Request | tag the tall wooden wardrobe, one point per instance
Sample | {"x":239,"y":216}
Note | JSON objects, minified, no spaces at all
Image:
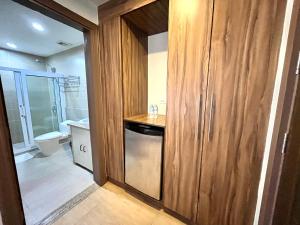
{"x":222,"y":61}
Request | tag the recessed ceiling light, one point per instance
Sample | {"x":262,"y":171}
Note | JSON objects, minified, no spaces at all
{"x":11,"y":45}
{"x":38,"y":26}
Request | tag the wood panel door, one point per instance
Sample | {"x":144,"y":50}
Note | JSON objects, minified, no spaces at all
{"x":245,"y":43}
{"x":287,"y":206}
{"x":188,"y":56}
{"x":11,"y":209}
{"x":97,"y":98}
{"x":111,"y":40}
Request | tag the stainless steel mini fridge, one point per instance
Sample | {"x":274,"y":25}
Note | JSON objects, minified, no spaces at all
{"x":143,"y":158}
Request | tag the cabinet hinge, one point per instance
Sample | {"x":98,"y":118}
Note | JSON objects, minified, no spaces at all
{"x":298,"y":65}
{"x":285,"y":143}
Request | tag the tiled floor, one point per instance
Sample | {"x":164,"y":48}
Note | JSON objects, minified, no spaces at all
{"x":48,"y":182}
{"x":111,"y":205}
{"x":19,"y":148}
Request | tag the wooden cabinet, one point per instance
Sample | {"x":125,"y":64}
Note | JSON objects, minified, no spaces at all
{"x":112,"y":67}
{"x":124,"y":44}
{"x":243,"y":58}
{"x":219,"y":98}
{"x":187,"y":77}
{"x":222,"y":61}
{"x":81,"y":146}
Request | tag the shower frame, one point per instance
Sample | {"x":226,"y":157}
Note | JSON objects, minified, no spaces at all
{"x":24,"y":104}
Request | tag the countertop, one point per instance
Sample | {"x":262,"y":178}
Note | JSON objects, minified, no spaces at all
{"x":80,"y":125}
{"x":159,"y":120}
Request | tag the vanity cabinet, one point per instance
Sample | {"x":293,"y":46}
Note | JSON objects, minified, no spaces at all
{"x":81,"y":146}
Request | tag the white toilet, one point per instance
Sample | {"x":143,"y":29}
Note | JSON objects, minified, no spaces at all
{"x":49,"y":143}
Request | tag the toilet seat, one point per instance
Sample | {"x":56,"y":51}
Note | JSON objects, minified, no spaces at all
{"x":52,"y":142}
{"x":48,"y":136}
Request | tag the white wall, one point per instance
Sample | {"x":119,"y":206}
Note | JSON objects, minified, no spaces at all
{"x":20,"y":60}
{"x":85,"y":8}
{"x":274,"y":105}
{"x":157,"y":71}
{"x":72,"y":62}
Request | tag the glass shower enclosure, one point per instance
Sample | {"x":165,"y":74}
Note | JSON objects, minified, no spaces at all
{"x":34,"y":105}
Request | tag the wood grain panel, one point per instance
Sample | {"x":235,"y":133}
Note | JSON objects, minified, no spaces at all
{"x":111,"y":36}
{"x":243,"y":63}
{"x":283,"y":115}
{"x":287,"y":206}
{"x":135,"y":70}
{"x":152,"y":18}
{"x":114,"y":8}
{"x":159,"y":121}
{"x":187,"y":77}
{"x":10,"y":197}
{"x":97,"y":103}
{"x":284,"y":199}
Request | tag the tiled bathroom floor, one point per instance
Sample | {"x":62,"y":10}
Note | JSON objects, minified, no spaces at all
{"x":48,"y":182}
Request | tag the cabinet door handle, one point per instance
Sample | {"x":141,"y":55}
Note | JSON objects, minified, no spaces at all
{"x":212,"y":117}
{"x":80,"y":148}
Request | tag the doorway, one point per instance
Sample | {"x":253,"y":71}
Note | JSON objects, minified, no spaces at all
{"x":43,"y":78}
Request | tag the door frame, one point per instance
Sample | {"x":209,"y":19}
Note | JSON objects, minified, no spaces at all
{"x":281,"y":125}
{"x":11,"y":208}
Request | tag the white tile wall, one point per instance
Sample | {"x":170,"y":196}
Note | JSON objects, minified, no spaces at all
{"x":72,"y":62}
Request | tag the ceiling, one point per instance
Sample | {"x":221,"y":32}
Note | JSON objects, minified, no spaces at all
{"x":99,"y":2}
{"x":16,"y":27}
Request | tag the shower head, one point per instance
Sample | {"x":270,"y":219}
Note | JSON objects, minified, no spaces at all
{"x":52,"y":68}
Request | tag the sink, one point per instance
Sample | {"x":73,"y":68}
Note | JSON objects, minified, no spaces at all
{"x":84,"y":121}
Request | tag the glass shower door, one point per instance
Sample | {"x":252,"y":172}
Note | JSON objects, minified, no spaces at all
{"x":16,"y":112}
{"x":43,"y":104}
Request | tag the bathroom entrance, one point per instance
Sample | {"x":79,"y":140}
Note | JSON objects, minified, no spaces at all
{"x":34,"y":105}
{"x":43,"y":78}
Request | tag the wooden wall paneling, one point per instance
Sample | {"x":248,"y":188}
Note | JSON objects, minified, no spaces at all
{"x":282,"y":200}
{"x":135,"y":70}
{"x":97,"y":102}
{"x":10,"y":198}
{"x":112,"y":64}
{"x":115,"y":8}
{"x":187,"y":78}
{"x":283,"y":115}
{"x":287,"y":204}
{"x":152,"y":18}
{"x":245,"y":44}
